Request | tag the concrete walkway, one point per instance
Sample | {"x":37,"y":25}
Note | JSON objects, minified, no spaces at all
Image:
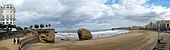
{"x":167,"y":41}
{"x":7,"y":44}
{"x":164,"y":43}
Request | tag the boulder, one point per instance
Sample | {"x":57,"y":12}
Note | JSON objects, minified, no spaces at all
{"x":84,"y":34}
{"x":47,"y":37}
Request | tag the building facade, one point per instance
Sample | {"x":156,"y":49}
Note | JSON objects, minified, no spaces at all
{"x":151,"y":26}
{"x":7,"y":14}
{"x":163,"y":25}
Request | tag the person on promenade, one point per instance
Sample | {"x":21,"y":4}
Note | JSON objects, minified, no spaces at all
{"x":18,"y":40}
{"x":14,"y":40}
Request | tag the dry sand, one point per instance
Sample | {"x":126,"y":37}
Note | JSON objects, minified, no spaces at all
{"x":133,"y":40}
{"x":8,"y":45}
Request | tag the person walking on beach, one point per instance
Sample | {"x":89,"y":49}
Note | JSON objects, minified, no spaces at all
{"x":14,"y":40}
{"x":18,"y":40}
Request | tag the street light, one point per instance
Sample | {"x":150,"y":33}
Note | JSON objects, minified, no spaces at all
{"x":158,"y":40}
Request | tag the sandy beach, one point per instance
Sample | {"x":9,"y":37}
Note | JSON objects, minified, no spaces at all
{"x":8,"y":45}
{"x":133,"y":40}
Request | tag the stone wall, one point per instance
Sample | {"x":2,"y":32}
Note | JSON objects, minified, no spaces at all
{"x":25,"y":43}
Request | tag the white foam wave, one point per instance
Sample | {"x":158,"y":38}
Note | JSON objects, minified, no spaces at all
{"x":99,"y":34}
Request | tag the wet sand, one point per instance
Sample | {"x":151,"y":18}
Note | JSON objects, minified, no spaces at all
{"x":133,"y":40}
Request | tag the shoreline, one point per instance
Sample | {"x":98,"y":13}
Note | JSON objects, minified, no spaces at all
{"x":133,"y":40}
{"x":96,"y":35}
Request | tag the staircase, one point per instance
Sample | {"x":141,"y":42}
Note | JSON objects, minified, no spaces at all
{"x":159,"y":46}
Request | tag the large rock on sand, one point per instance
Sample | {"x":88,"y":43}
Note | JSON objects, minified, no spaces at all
{"x":84,"y":34}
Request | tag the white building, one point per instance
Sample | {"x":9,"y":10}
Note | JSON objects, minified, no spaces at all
{"x":151,"y":26}
{"x":163,"y":25}
{"x":7,"y":14}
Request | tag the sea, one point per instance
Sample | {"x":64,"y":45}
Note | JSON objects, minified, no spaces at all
{"x":72,"y":35}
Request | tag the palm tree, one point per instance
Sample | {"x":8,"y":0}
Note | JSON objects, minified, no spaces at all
{"x":31,"y":26}
{"x":4,"y":26}
{"x":36,"y":26}
{"x":13,"y":26}
{"x":46,"y":26}
{"x":19,"y":28}
{"x":49,"y":25}
{"x":41,"y":25}
{"x":25,"y":28}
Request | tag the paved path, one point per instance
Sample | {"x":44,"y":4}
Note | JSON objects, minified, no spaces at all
{"x":165,"y":42}
{"x":8,"y":45}
{"x":168,"y":42}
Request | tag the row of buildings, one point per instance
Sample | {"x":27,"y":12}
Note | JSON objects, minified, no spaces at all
{"x":7,"y":14}
{"x":163,"y":25}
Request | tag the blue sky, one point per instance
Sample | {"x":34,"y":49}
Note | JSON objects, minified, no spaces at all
{"x":109,"y":2}
{"x":90,"y":14}
{"x":164,"y":3}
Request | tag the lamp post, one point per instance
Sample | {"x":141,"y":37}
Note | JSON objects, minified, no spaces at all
{"x":158,"y":40}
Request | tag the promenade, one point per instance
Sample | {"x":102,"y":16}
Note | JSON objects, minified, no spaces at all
{"x":7,"y":44}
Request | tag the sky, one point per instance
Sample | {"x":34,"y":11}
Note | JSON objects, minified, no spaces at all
{"x":90,"y":14}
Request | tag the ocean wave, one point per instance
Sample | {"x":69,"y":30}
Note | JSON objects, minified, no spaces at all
{"x":97,"y":34}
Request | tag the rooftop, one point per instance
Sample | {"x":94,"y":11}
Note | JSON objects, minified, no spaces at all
{"x":7,"y":6}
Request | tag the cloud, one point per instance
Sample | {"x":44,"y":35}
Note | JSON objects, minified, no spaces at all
{"x":91,"y":14}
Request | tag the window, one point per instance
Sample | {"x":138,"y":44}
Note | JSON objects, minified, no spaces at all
{"x":10,"y":16}
{"x":10,"y":22}
{"x":7,"y":16}
{"x":167,"y":25}
{"x":3,"y":16}
{"x":7,"y":11}
{"x":7,"y":19}
{"x":10,"y":19}
{"x":3,"y":23}
{"x":11,"y":7}
{"x":11,"y":11}
{"x":2,"y":19}
{"x":7,"y":7}
{"x":6,"y":22}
